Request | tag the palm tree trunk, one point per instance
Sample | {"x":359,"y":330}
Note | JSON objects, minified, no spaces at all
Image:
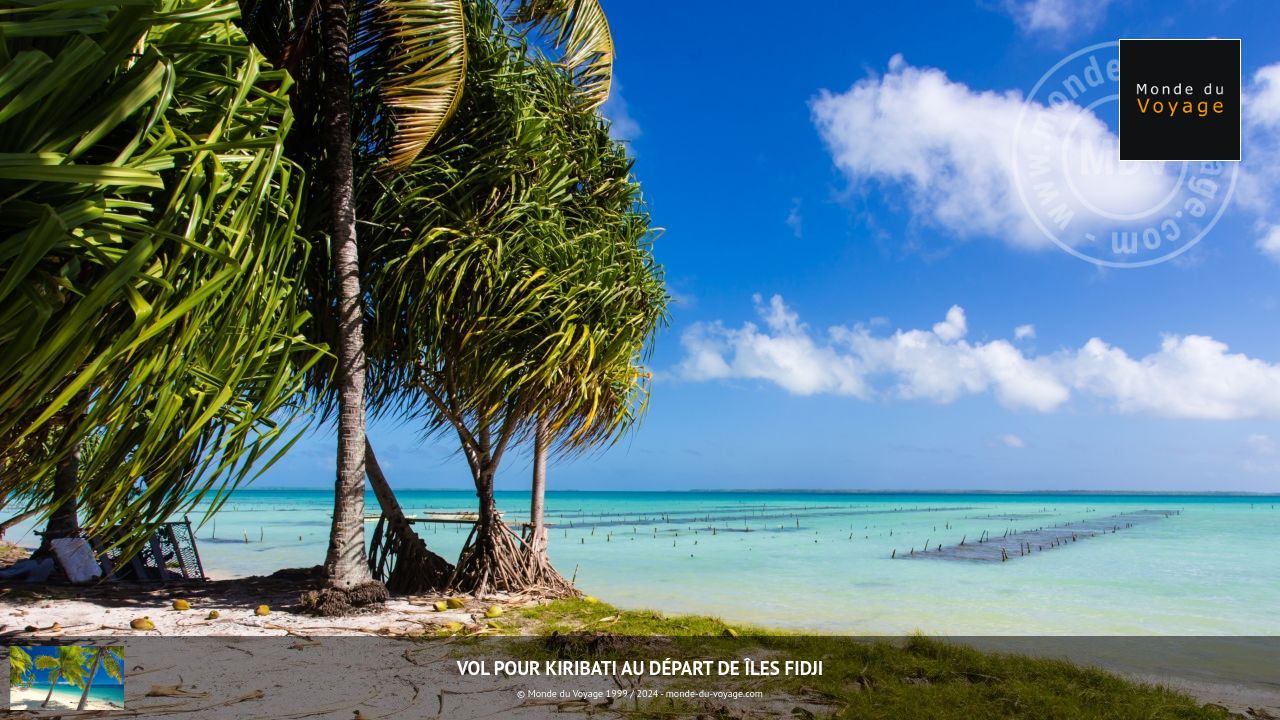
{"x":53,"y":684}
{"x":345,"y":565}
{"x":64,"y":522}
{"x":537,"y":501}
{"x":88,"y":683}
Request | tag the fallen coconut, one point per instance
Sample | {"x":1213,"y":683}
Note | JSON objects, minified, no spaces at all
{"x":261,"y":610}
{"x":456,"y":603}
{"x":142,"y":623}
{"x":213,"y":615}
{"x":440,"y":605}
{"x":181,"y":605}
{"x":493,"y":612}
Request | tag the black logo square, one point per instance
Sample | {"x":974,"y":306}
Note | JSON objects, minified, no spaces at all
{"x":1180,"y":99}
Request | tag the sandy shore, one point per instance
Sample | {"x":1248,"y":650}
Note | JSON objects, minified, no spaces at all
{"x":108,"y":610}
{"x":31,"y":698}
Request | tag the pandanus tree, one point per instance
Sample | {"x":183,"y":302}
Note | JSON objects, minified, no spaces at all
{"x":149,"y":265}
{"x":491,"y":295}
{"x":596,"y":396}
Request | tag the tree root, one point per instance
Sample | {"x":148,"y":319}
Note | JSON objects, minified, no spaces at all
{"x":334,"y":602}
{"x":540,"y":574}
{"x":495,"y":559}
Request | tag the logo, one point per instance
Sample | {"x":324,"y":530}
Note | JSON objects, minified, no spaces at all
{"x":1180,"y":100}
{"x":1082,"y":196}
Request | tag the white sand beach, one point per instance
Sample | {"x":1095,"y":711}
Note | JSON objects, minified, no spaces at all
{"x":31,"y":699}
{"x":52,"y":612}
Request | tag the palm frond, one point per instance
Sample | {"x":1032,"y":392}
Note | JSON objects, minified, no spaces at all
{"x":579,"y":29}
{"x":426,"y":64}
{"x":511,"y":272}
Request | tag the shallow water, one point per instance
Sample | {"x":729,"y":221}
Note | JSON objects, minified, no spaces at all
{"x":822,"y":561}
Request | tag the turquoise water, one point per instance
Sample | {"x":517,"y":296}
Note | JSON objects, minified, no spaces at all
{"x":69,"y":695}
{"x":822,"y":561}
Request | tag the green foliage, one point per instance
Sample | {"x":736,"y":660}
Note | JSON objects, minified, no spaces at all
{"x":579,"y":30}
{"x":510,"y":268}
{"x":68,"y":665}
{"x":917,"y":677}
{"x":20,"y":666}
{"x":148,"y":258}
{"x":112,"y":658}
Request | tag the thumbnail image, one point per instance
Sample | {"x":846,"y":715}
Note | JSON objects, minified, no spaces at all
{"x":66,"y":677}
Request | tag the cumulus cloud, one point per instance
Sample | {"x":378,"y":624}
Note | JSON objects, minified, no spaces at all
{"x":1190,"y":376}
{"x":951,"y":150}
{"x":953,"y":327}
{"x":783,"y":353}
{"x":1025,"y":332}
{"x":1056,"y":16}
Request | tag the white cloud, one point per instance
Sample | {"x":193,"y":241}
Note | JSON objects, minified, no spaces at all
{"x":622,"y":126}
{"x":783,"y":354}
{"x":1260,"y":173}
{"x":1269,"y":243}
{"x":951,"y":150}
{"x":795,"y":220}
{"x":1261,"y":443}
{"x":1013,"y":441}
{"x":953,"y":327}
{"x":1190,"y":376}
{"x":1025,"y":332}
{"x":1262,"y":102}
{"x":1058,"y":16}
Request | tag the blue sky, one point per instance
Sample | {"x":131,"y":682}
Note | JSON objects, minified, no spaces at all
{"x":837,"y":166}
{"x":101,"y":677}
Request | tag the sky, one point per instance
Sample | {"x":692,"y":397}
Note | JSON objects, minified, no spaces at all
{"x":41,"y":676}
{"x":861,"y":300}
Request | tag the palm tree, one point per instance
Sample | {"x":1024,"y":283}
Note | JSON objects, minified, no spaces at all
{"x":150,"y":261}
{"x":20,"y":666}
{"x":408,"y":58}
{"x":67,"y":664}
{"x":405,"y":63}
{"x":111,"y":659}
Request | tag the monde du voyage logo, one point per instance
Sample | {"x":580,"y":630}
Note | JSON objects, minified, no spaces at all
{"x":1180,"y":100}
{"x":1157,"y":189}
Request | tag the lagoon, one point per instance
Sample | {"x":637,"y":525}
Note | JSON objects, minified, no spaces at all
{"x":834,"y":562}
